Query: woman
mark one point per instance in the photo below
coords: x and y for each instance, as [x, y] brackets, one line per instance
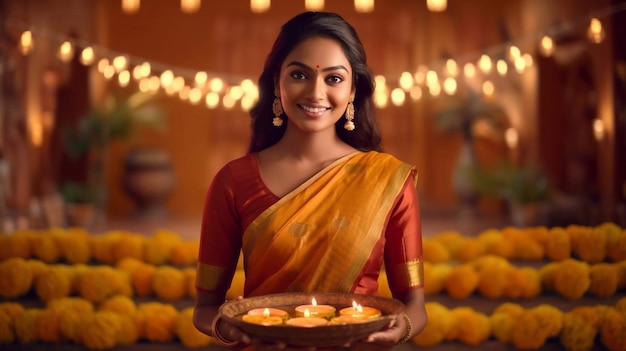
[314, 205]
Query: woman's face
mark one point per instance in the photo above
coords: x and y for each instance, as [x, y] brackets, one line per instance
[315, 84]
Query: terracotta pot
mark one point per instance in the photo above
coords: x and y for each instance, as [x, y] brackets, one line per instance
[149, 180]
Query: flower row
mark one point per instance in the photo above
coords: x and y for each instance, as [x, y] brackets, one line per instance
[118, 320]
[579, 329]
[495, 277]
[602, 243]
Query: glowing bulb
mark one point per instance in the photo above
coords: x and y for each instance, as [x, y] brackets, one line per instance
[511, 138]
[502, 67]
[26, 42]
[130, 6]
[485, 63]
[595, 32]
[189, 6]
[469, 70]
[547, 46]
[364, 6]
[398, 96]
[416, 93]
[436, 5]
[488, 88]
[449, 86]
[314, 5]
[66, 51]
[212, 99]
[216, 84]
[406, 81]
[201, 78]
[87, 56]
[259, 6]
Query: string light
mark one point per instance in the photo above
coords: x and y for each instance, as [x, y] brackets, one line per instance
[364, 6]
[547, 46]
[260, 6]
[189, 6]
[436, 5]
[130, 6]
[314, 5]
[26, 42]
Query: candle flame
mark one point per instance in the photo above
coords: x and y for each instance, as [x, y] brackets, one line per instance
[359, 308]
[307, 314]
[266, 312]
[354, 304]
[314, 302]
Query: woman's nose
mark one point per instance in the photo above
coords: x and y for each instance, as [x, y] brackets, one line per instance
[316, 89]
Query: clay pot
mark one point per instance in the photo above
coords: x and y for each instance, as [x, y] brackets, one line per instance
[149, 180]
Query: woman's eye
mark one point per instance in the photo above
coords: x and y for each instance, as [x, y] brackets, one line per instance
[298, 75]
[334, 79]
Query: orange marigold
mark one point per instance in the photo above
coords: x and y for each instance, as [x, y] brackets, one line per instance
[158, 247]
[462, 282]
[119, 304]
[169, 283]
[496, 244]
[155, 321]
[613, 329]
[100, 330]
[439, 323]
[54, 283]
[452, 240]
[128, 245]
[532, 286]
[45, 248]
[435, 276]
[502, 320]
[75, 246]
[26, 325]
[190, 281]
[473, 328]
[16, 277]
[188, 334]
[578, 334]
[469, 250]
[558, 245]
[48, 329]
[571, 278]
[604, 279]
[435, 251]
[527, 333]
[15, 245]
[185, 253]
[615, 242]
[588, 243]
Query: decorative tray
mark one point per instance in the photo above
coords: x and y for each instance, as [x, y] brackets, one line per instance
[318, 336]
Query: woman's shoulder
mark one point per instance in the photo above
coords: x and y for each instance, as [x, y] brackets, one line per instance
[382, 157]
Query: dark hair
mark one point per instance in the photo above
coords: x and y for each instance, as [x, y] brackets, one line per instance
[366, 136]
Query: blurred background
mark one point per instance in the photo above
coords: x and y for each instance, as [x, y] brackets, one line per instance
[116, 114]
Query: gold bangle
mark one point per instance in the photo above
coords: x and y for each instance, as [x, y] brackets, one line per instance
[406, 336]
[218, 336]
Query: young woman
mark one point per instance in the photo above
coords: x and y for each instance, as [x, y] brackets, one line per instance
[314, 205]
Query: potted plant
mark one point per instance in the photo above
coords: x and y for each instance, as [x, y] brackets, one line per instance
[524, 188]
[116, 119]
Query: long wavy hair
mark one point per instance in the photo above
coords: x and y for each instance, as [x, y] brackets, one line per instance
[366, 136]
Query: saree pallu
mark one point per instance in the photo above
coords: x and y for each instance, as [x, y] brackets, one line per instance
[320, 236]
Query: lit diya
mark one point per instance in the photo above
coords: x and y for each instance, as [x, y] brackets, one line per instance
[359, 312]
[265, 316]
[307, 320]
[315, 310]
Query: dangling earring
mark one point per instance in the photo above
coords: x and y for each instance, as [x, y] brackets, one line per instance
[349, 126]
[277, 108]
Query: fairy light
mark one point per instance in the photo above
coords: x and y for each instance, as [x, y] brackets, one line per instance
[598, 129]
[212, 99]
[452, 67]
[364, 6]
[469, 70]
[123, 78]
[120, 63]
[178, 83]
[259, 6]
[183, 94]
[154, 83]
[406, 81]
[398, 96]
[436, 5]
[485, 63]
[434, 89]
[314, 5]
[514, 52]
[546, 46]
[246, 102]
[502, 67]
[228, 102]
[416, 93]
[432, 78]
[488, 88]
[87, 56]
[200, 78]
[189, 6]
[167, 77]
[216, 85]
[66, 51]
[26, 42]
[381, 83]
[130, 6]
[449, 86]
[144, 85]
[528, 60]
[595, 32]
[102, 64]
[380, 98]
[520, 64]
[511, 137]
[108, 72]
[195, 95]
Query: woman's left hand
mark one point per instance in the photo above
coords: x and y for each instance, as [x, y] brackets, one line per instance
[386, 338]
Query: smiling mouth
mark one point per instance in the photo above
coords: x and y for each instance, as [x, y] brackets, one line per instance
[314, 109]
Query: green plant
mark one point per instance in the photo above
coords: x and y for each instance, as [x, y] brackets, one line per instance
[78, 193]
[515, 184]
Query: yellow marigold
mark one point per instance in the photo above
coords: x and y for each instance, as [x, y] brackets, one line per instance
[155, 321]
[525, 247]
[473, 328]
[142, 279]
[72, 312]
[48, 326]
[571, 279]
[515, 283]
[527, 333]
[588, 243]
[462, 282]
[621, 274]
[502, 320]
[620, 305]
[15, 245]
[558, 245]
[55, 283]
[469, 250]
[604, 279]
[613, 330]
[496, 244]
[26, 325]
[538, 234]
[100, 330]
[185, 253]
[7, 335]
[75, 246]
[547, 274]
[128, 264]
[100, 282]
[169, 283]
[16, 277]
[119, 304]
[492, 277]
[190, 281]
[36, 267]
[451, 240]
[103, 246]
[549, 318]
[12, 309]
[129, 245]
[188, 334]
[577, 334]
[435, 251]
[615, 242]
[435, 276]
[128, 333]
[439, 322]
[45, 248]
[532, 286]
[158, 247]
[590, 314]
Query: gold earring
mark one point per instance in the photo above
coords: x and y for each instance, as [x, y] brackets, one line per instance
[277, 108]
[349, 126]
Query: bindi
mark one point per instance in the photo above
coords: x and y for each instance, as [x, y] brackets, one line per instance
[317, 66]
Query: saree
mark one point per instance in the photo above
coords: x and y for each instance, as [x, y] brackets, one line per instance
[320, 236]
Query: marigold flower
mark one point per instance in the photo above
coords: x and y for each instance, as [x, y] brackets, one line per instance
[435, 276]
[100, 330]
[169, 283]
[452, 240]
[558, 245]
[190, 281]
[185, 253]
[532, 287]
[462, 282]
[103, 246]
[435, 251]
[496, 244]
[439, 322]
[502, 320]
[48, 326]
[571, 279]
[473, 328]
[492, 276]
[75, 246]
[621, 274]
[16, 277]
[15, 245]
[578, 334]
[547, 273]
[470, 250]
[515, 282]
[72, 312]
[26, 325]
[128, 333]
[128, 245]
[615, 242]
[12, 309]
[155, 321]
[188, 334]
[100, 282]
[119, 304]
[36, 267]
[591, 314]
[54, 283]
[525, 247]
[142, 279]
[613, 329]
[45, 248]
[158, 247]
[588, 243]
[620, 305]
[604, 278]
[527, 333]
[9, 312]
[549, 318]
[538, 234]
